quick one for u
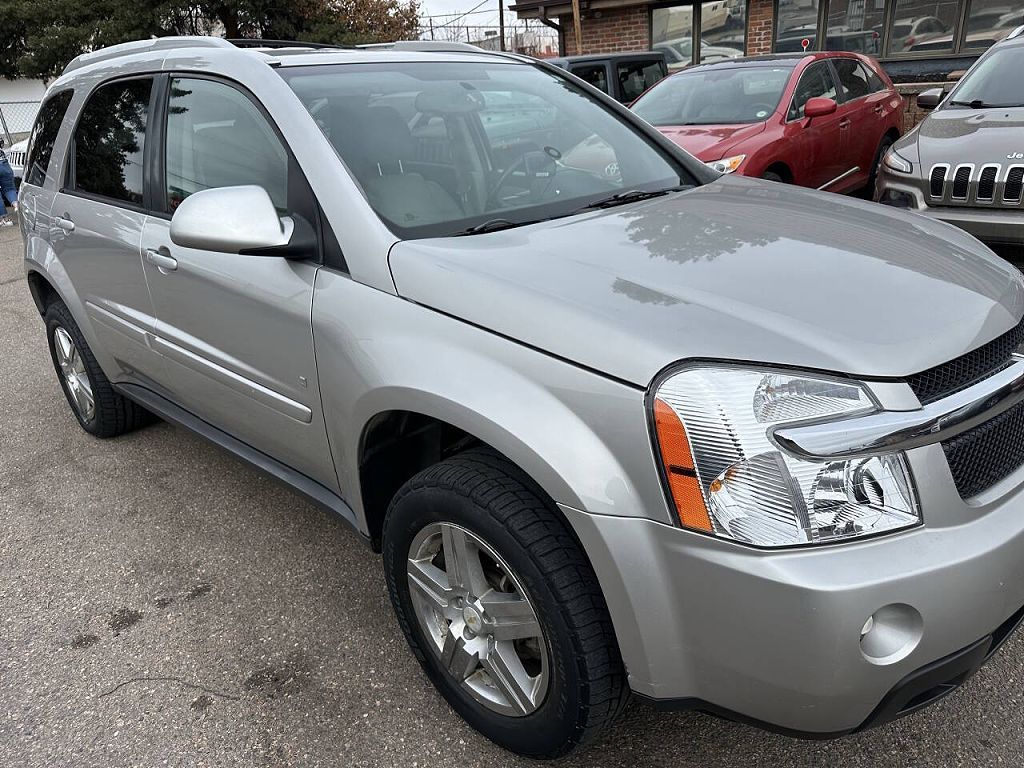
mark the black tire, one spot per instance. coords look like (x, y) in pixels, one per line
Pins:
(486, 494)
(772, 176)
(113, 414)
(869, 190)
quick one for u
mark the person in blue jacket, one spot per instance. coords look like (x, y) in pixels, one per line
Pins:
(8, 192)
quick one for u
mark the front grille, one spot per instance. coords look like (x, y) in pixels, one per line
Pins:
(981, 457)
(937, 181)
(992, 185)
(1014, 184)
(987, 183)
(16, 159)
(956, 375)
(961, 182)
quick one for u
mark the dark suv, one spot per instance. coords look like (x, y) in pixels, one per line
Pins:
(623, 76)
(965, 163)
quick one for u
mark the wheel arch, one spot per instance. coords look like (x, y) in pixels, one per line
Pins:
(397, 443)
(42, 290)
(781, 168)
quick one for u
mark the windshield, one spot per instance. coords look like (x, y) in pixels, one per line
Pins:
(995, 82)
(442, 148)
(716, 96)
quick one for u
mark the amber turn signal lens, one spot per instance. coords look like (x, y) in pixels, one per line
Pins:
(677, 461)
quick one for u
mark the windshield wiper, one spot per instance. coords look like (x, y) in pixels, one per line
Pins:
(975, 104)
(491, 225)
(629, 196)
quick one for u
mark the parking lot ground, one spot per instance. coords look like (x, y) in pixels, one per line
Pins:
(162, 604)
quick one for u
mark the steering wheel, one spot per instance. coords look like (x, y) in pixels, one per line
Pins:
(492, 197)
(521, 162)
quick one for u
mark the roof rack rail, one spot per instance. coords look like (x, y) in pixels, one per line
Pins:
(142, 46)
(255, 42)
(438, 46)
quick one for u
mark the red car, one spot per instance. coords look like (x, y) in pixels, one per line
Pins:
(820, 120)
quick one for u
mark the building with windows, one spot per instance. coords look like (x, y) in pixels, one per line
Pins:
(920, 42)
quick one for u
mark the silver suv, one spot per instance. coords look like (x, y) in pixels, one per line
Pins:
(724, 443)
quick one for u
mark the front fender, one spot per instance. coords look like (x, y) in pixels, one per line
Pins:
(582, 437)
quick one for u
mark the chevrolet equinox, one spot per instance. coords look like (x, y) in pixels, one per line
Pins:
(707, 440)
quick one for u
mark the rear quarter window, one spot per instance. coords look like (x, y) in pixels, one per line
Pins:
(44, 136)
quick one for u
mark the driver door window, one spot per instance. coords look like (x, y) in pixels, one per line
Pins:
(816, 81)
(216, 137)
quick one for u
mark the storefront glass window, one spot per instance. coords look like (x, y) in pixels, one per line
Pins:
(916, 28)
(723, 32)
(798, 23)
(855, 25)
(989, 21)
(923, 26)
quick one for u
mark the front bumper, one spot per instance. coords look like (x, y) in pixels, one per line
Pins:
(775, 637)
(1003, 226)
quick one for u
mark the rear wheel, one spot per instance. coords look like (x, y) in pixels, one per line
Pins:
(100, 410)
(501, 607)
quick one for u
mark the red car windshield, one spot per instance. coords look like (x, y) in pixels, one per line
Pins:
(715, 96)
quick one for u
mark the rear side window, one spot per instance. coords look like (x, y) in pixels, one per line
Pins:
(595, 74)
(635, 77)
(216, 137)
(875, 82)
(853, 79)
(44, 135)
(110, 141)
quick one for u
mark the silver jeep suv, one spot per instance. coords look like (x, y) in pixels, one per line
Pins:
(720, 442)
(964, 163)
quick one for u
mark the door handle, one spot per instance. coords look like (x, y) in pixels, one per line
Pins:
(67, 225)
(879, 109)
(844, 123)
(162, 261)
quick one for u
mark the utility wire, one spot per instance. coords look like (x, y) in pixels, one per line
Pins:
(464, 15)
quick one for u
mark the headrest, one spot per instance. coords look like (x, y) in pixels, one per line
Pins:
(449, 99)
(387, 136)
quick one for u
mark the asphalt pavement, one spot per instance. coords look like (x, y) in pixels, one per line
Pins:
(162, 604)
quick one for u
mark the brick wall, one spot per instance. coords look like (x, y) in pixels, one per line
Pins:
(914, 114)
(609, 31)
(759, 26)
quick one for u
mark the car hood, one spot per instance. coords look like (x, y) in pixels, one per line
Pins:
(976, 136)
(710, 142)
(739, 269)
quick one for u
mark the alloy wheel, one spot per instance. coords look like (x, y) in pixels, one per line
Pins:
(479, 619)
(72, 368)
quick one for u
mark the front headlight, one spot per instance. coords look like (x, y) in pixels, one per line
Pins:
(896, 162)
(726, 477)
(727, 164)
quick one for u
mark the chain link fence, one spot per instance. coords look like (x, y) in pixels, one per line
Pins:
(16, 118)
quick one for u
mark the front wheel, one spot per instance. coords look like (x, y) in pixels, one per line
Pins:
(883, 147)
(501, 607)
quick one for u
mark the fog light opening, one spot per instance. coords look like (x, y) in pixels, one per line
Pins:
(891, 634)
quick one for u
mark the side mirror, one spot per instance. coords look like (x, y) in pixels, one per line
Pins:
(240, 220)
(819, 106)
(931, 98)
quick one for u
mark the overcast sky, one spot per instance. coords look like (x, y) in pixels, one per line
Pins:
(486, 14)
